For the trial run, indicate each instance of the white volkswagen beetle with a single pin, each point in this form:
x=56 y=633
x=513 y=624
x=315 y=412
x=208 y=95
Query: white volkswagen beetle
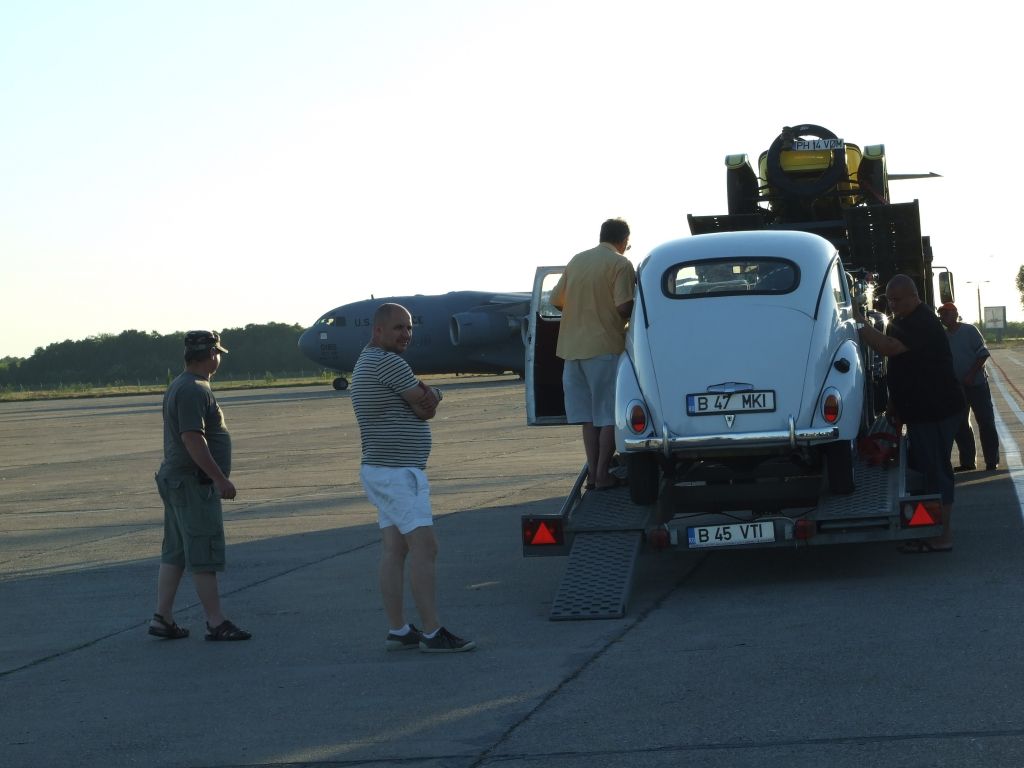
x=743 y=383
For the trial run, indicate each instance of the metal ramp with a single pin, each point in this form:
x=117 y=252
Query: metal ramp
x=608 y=534
x=877 y=488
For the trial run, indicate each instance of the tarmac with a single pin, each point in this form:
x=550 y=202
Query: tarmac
x=834 y=657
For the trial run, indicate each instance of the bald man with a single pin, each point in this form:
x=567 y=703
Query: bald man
x=924 y=394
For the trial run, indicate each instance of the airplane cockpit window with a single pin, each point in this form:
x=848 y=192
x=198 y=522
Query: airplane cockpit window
x=331 y=320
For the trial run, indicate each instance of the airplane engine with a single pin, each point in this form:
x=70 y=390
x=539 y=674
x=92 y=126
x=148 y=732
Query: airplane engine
x=469 y=329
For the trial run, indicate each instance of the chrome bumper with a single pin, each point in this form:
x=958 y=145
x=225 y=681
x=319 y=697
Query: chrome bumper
x=791 y=437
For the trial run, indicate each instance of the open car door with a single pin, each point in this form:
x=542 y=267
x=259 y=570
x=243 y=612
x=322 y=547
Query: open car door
x=545 y=403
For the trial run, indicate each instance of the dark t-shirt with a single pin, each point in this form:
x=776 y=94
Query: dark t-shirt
x=922 y=383
x=189 y=406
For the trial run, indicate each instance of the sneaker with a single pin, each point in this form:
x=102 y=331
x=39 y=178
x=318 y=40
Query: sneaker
x=410 y=639
x=965 y=468
x=445 y=642
x=992 y=466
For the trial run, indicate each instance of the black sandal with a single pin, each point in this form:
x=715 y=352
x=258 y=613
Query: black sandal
x=167 y=630
x=226 y=631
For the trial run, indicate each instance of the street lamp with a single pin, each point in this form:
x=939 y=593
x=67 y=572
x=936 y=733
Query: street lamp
x=981 y=320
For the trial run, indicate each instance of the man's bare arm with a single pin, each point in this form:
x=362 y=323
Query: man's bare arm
x=889 y=346
x=423 y=400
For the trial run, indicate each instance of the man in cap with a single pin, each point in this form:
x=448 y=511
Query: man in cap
x=969 y=357
x=192 y=480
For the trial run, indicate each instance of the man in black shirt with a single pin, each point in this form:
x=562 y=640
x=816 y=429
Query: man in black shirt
x=924 y=393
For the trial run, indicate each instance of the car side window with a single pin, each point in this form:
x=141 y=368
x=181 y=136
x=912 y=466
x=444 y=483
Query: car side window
x=840 y=288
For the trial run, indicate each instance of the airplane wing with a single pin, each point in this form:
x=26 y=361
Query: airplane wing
x=509 y=298
x=898 y=176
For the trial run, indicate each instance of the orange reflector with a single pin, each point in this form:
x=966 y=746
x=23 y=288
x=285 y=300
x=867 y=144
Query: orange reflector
x=922 y=515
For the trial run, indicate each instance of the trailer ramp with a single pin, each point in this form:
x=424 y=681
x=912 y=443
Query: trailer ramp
x=608 y=535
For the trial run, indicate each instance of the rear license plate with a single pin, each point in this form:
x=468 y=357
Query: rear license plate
x=713 y=403
x=732 y=535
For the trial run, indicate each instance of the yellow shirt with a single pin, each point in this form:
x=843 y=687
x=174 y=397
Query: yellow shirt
x=593 y=285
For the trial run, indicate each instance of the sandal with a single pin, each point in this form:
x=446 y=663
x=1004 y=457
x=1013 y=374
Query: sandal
x=168 y=630
x=226 y=631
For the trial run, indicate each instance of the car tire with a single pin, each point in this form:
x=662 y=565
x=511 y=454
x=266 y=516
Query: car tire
x=839 y=467
x=643 y=476
x=340 y=383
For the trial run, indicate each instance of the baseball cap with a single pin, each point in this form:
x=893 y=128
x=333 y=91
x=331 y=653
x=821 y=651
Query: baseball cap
x=197 y=341
x=949 y=305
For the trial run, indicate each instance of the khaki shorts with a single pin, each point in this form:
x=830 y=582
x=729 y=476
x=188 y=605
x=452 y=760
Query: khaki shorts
x=589 y=387
x=400 y=494
x=193 y=524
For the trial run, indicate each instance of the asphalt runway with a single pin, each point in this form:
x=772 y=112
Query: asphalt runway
x=837 y=656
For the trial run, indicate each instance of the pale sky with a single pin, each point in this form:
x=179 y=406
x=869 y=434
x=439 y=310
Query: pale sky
x=167 y=166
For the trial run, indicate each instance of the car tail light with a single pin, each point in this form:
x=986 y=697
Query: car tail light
x=637 y=415
x=831 y=405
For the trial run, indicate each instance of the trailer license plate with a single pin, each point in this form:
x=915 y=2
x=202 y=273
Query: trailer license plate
x=712 y=403
x=732 y=535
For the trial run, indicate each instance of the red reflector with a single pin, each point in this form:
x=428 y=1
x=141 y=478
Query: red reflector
x=804 y=529
x=659 y=538
x=922 y=515
x=543 y=533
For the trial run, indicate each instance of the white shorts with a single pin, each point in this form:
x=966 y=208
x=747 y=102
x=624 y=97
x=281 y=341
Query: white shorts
x=400 y=494
x=589 y=387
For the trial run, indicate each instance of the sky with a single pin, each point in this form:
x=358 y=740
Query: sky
x=170 y=166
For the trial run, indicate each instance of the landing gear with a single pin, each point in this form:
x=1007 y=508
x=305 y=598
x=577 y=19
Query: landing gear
x=340 y=383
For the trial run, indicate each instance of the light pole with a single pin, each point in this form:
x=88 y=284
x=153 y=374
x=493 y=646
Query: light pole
x=981 y=320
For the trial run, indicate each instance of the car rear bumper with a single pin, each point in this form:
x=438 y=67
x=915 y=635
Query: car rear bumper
x=791 y=437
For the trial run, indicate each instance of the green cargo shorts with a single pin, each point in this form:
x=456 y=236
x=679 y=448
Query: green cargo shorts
x=193 y=524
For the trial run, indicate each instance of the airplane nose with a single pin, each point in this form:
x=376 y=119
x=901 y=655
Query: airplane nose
x=309 y=344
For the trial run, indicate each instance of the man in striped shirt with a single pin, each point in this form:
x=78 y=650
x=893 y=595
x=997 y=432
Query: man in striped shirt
x=392 y=408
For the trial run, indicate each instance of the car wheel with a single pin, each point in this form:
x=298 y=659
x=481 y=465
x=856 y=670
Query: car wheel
x=643 y=475
x=839 y=466
x=340 y=383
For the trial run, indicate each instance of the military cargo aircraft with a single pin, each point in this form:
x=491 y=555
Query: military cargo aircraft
x=455 y=332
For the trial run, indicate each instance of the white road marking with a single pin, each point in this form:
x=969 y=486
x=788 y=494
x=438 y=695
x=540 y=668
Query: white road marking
x=1007 y=445
x=1012 y=358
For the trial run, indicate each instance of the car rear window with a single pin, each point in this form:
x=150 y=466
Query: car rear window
x=730 y=277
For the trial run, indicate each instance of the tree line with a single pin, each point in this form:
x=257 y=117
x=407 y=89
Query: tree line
x=134 y=356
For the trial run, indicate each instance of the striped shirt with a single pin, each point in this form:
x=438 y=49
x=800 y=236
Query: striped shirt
x=391 y=434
